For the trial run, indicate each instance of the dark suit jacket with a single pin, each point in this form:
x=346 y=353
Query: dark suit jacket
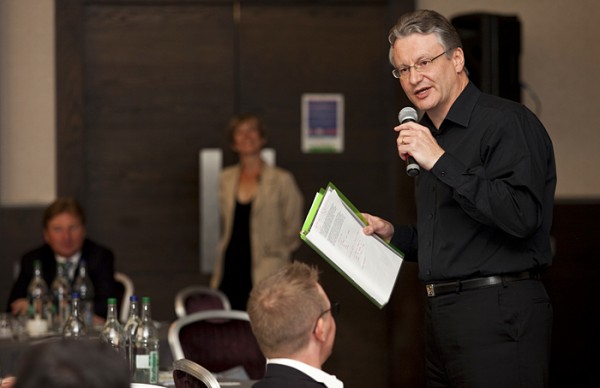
x=100 y=268
x=283 y=376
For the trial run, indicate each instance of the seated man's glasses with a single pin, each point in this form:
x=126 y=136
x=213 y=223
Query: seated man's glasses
x=334 y=309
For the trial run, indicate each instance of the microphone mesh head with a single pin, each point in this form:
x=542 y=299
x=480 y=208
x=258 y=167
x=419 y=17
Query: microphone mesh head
x=408 y=113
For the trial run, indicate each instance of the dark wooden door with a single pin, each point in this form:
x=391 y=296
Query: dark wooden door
x=158 y=86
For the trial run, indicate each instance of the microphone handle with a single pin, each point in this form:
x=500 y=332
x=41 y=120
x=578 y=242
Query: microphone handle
x=412 y=167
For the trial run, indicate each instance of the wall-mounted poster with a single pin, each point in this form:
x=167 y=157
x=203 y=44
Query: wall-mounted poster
x=322 y=123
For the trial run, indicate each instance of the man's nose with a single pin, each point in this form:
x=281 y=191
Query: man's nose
x=66 y=235
x=413 y=75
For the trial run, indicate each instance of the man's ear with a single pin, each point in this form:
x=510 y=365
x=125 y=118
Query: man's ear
x=458 y=57
x=321 y=330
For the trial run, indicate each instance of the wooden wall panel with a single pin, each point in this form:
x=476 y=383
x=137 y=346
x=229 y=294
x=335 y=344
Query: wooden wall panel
x=158 y=87
x=571 y=283
x=288 y=51
x=70 y=165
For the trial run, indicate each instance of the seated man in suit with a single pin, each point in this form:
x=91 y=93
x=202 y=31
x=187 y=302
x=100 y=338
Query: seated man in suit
x=292 y=320
x=66 y=242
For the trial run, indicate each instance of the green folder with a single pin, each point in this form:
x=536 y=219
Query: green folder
x=334 y=231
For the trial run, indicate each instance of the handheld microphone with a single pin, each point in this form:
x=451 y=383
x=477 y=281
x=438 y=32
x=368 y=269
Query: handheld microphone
x=409 y=114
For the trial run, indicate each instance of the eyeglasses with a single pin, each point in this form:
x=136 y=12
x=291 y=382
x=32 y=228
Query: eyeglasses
x=420 y=67
x=334 y=309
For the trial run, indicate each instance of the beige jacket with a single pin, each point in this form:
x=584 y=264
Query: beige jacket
x=275 y=220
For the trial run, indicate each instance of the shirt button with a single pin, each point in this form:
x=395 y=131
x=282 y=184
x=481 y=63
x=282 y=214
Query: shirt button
x=443 y=173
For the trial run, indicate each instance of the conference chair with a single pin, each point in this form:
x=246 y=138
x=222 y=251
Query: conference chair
x=192 y=299
x=219 y=340
x=188 y=374
x=125 y=289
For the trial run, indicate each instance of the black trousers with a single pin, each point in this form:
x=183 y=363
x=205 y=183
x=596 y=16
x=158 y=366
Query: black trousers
x=489 y=337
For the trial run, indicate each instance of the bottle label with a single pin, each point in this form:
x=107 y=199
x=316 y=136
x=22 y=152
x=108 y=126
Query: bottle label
x=150 y=362
x=153 y=367
x=142 y=361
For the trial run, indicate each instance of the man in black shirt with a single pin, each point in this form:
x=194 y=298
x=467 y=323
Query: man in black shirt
x=484 y=208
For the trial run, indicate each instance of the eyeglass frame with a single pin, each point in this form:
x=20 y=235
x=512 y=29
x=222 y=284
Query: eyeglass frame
x=423 y=63
x=334 y=309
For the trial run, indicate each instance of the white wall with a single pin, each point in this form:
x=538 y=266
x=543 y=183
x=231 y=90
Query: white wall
x=27 y=103
x=559 y=61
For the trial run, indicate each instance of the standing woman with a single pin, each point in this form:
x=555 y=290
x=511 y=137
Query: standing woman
x=261 y=211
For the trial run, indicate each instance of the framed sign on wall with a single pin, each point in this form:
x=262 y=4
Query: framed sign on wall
x=322 y=123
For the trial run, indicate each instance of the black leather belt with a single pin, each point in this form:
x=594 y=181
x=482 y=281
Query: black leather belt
x=435 y=289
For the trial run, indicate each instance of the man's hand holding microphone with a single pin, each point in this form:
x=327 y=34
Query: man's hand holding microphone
x=416 y=145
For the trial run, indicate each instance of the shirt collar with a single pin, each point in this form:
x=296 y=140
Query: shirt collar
x=461 y=109
x=74 y=260
x=316 y=374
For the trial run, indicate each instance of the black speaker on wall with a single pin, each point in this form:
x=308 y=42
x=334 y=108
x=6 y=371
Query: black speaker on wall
x=492 y=46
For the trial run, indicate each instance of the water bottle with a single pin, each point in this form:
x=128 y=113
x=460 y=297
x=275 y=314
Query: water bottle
x=83 y=285
x=37 y=294
x=133 y=321
x=61 y=290
x=74 y=326
x=146 y=348
x=112 y=332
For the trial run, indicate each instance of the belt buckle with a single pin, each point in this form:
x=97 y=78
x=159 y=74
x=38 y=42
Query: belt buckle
x=430 y=290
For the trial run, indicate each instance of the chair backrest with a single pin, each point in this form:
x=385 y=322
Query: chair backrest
x=218 y=340
x=188 y=374
x=125 y=289
x=199 y=298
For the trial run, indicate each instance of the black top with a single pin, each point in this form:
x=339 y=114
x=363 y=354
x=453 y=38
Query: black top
x=100 y=268
x=485 y=208
x=279 y=376
x=237 y=281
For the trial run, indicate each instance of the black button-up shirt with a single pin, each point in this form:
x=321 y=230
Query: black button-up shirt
x=485 y=208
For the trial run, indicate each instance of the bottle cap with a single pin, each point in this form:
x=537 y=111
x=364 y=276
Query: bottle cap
x=112 y=300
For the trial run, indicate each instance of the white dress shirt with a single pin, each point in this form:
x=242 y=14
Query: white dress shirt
x=319 y=375
x=73 y=260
